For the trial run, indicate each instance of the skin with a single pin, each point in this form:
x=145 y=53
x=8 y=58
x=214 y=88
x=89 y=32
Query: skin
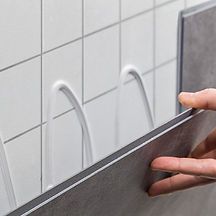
x=200 y=167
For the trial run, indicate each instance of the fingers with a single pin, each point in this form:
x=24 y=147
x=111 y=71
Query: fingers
x=205 y=99
x=206 y=146
x=190 y=166
x=177 y=182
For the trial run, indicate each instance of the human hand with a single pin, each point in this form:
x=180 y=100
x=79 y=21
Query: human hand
x=200 y=167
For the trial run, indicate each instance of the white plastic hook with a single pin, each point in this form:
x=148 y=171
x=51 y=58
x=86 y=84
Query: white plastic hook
x=72 y=97
x=6 y=176
x=135 y=72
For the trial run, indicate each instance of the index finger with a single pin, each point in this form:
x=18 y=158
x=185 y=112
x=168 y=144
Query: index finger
x=190 y=166
x=205 y=99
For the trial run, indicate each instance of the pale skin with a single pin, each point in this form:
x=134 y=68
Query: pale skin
x=200 y=167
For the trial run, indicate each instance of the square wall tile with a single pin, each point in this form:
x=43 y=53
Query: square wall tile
x=20 y=30
x=101 y=62
x=133 y=120
x=132 y=7
x=137 y=42
x=101 y=116
x=99 y=14
x=65 y=64
x=24 y=156
x=165 y=93
x=62 y=22
x=20 y=93
x=166 y=31
x=67 y=146
x=195 y=2
x=4 y=203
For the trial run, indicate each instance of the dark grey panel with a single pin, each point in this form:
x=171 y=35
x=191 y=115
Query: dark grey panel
x=198 y=48
x=119 y=189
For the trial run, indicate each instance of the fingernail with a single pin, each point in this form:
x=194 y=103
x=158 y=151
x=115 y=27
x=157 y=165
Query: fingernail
x=184 y=97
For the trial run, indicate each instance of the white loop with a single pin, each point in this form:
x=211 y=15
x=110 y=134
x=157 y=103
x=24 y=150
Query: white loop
x=135 y=72
x=72 y=97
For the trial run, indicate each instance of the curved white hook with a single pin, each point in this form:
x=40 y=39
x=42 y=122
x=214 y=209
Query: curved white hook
x=135 y=72
x=6 y=176
x=70 y=94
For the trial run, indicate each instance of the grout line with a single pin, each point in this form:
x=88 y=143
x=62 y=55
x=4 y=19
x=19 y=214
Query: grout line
x=18 y=63
x=100 y=95
x=83 y=74
x=37 y=126
x=149 y=10
x=101 y=29
x=89 y=34
x=154 y=60
x=165 y=63
x=61 y=114
x=120 y=36
x=137 y=15
x=21 y=134
x=41 y=129
x=62 y=45
x=165 y=3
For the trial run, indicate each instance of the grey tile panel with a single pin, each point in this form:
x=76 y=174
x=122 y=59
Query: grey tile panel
x=118 y=183
x=198 y=63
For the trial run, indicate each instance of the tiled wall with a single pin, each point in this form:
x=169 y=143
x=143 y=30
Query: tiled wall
x=86 y=43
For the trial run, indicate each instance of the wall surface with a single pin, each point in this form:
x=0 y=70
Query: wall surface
x=86 y=43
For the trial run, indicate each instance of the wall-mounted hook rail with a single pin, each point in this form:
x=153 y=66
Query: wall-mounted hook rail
x=48 y=148
x=135 y=72
x=6 y=176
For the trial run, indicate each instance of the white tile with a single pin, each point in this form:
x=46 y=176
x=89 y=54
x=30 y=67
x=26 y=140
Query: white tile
x=20 y=98
x=133 y=122
x=20 y=30
x=137 y=42
x=100 y=13
x=101 y=62
x=25 y=166
x=101 y=115
x=132 y=7
x=166 y=31
x=4 y=203
x=62 y=22
x=67 y=146
x=195 y=2
x=165 y=93
x=65 y=64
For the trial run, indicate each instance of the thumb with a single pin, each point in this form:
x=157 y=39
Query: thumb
x=205 y=99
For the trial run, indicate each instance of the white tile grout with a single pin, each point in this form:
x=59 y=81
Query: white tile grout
x=120 y=36
x=154 y=58
x=82 y=38
x=83 y=74
x=19 y=63
x=41 y=128
x=87 y=35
